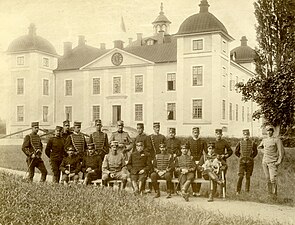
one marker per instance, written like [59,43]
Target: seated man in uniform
[163,169]
[139,165]
[185,166]
[70,166]
[91,165]
[112,166]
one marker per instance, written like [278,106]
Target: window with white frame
[20,60]
[243,113]
[20,84]
[95,112]
[231,82]
[45,87]
[197,109]
[198,44]
[46,62]
[116,85]
[96,86]
[69,112]
[138,83]
[20,111]
[171,111]
[69,87]
[150,42]
[138,112]
[197,75]
[224,46]
[230,111]
[171,81]
[223,109]
[237,112]
[223,76]
[45,113]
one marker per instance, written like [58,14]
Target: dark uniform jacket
[163,162]
[246,150]
[146,142]
[65,135]
[71,163]
[139,161]
[173,146]
[92,161]
[32,145]
[78,142]
[156,140]
[185,162]
[100,140]
[55,149]
[223,148]
[197,148]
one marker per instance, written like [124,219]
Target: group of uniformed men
[155,156]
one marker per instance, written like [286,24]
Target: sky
[99,21]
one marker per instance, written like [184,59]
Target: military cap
[70,148]
[98,122]
[120,122]
[35,124]
[77,124]
[218,131]
[196,129]
[184,146]
[114,143]
[140,125]
[66,122]
[269,127]
[246,131]
[91,146]
[211,144]
[172,130]
[162,145]
[58,128]
[156,124]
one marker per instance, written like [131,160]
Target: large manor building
[181,80]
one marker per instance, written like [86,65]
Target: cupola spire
[32,29]
[244,41]
[204,6]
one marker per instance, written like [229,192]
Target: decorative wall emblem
[117,59]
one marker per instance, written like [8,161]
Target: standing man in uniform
[66,130]
[55,152]
[273,154]
[32,147]
[142,137]
[222,150]
[77,140]
[246,150]
[124,140]
[197,147]
[173,144]
[100,140]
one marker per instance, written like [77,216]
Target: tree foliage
[273,85]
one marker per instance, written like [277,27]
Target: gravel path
[257,211]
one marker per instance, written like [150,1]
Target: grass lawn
[12,157]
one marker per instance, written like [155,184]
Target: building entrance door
[116,113]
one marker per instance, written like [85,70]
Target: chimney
[244,41]
[139,38]
[130,40]
[118,44]
[102,46]
[167,38]
[81,40]
[67,48]
[161,37]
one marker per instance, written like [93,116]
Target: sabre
[25,176]
[223,187]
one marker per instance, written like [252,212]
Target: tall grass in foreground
[37,203]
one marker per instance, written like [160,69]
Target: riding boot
[274,189]
[247,184]
[269,187]
[124,184]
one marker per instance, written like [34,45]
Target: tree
[273,85]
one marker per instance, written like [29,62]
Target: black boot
[239,184]
[269,188]
[247,184]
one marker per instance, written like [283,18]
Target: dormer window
[198,44]
[150,42]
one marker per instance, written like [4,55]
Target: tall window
[230,111]
[96,86]
[237,81]
[237,112]
[69,112]
[198,44]
[20,86]
[197,109]
[69,87]
[197,75]
[46,62]
[223,76]
[231,84]
[20,113]
[45,113]
[224,46]
[139,83]
[138,112]
[243,113]
[116,85]
[171,111]
[95,112]
[171,81]
[20,60]
[45,87]
[223,109]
